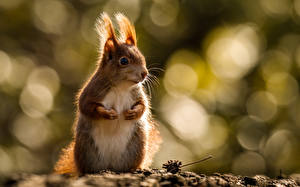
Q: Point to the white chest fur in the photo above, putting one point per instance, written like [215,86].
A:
[111,136]
[111,141]
[119,98]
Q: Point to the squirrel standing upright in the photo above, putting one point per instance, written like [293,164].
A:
[114,129]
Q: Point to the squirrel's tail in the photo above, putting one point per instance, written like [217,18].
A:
[66,162]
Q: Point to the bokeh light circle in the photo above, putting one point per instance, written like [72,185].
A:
[262,106]
[249,163]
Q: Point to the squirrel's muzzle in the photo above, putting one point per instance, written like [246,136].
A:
[144,75]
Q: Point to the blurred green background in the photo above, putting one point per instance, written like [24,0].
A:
[229,85]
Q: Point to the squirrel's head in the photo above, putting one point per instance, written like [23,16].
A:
[120,59]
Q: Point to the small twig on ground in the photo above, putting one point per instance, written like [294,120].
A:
[202,160]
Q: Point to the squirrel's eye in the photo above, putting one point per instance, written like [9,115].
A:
[124,61]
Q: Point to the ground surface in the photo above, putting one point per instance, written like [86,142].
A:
[148,178]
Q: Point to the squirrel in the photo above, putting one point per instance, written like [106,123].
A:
[114,129]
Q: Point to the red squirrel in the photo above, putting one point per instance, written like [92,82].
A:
[114,129]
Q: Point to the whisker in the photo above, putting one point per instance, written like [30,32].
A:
[146,84]
[151,83]
[153,64]
[154,79]
[156,69]
[149,89]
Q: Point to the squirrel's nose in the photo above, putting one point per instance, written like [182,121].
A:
[144,74]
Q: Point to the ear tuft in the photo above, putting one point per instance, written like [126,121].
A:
[127,30]
[106,32]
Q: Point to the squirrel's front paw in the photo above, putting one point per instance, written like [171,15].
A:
[110,114]
[134,113]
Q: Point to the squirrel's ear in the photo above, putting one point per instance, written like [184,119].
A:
[127,30]
[106,32]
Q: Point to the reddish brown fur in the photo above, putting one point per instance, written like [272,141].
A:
[81,154]
[128,32]
[66,164]
[137,111]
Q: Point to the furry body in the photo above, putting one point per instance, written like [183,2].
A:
[111,140]
[114,129]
